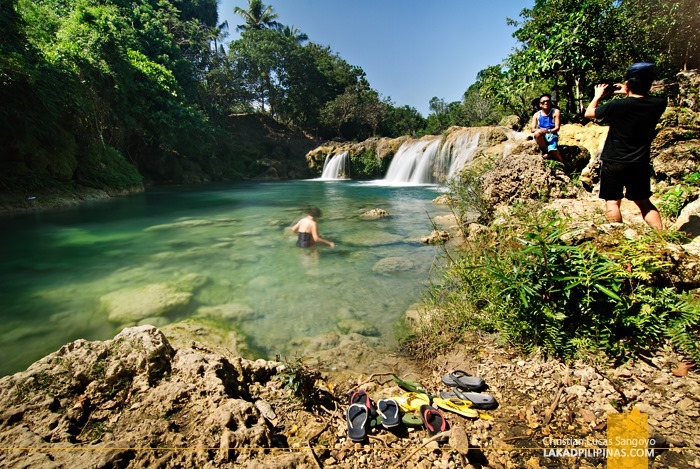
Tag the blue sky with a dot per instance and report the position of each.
(410, 50)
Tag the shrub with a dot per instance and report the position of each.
(467, 192)
(541, 292)
(367, 165)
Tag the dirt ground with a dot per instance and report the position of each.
(544, 408)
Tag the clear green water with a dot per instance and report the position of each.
(56, 266)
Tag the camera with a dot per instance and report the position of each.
(611, 87)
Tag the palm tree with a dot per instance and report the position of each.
(257, 16)
(219, 34)
(292, 33)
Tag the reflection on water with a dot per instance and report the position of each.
(223, 253)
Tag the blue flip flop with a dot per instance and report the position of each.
(463, 380)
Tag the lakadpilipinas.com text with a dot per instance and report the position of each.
(596, 448)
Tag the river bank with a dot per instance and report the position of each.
(138, 400)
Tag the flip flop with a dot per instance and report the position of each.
(411, 401)
(480, 400)
(458, 406)
(411, 420)
(357, 416)
(361, 397)
(389, 410)
(463, 380)
(433, 420)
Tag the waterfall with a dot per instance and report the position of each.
(413, 163)
(436, 159)
(335, 167)
(458, 151)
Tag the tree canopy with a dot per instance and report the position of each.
(567, 46)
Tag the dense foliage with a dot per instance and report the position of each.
(542, 286)
(567, 46)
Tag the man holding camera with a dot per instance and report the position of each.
(626, 154)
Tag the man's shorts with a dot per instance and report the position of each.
(552, 140)
(633, 177)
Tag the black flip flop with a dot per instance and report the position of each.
(389, 410)
(433, 420)
(357, 418)
(463, 380)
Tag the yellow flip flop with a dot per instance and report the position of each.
(458, 406)
(411, 401)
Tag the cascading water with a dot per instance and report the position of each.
(459, 151)
(413, 163)
(434, 160)
(335, 167)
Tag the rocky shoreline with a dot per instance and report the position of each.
(137, 401)
(181, 396)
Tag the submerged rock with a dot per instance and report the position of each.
(137, 303)
(357, 326)
(394, 264)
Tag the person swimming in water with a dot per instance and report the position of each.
(307, 228)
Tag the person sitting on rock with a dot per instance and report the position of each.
(307, 228)
(545, 125)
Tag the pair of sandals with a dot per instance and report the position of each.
(361, 411)
(465, 387)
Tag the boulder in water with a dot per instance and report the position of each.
(137, 303)
(436, 237)
(375, 213)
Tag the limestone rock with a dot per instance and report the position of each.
(678, 160)
(522, 176)
(132, 391)
(443, 199)
(436, 237)
(375, 213)
(133, 304)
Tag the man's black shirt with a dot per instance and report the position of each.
(632, 127)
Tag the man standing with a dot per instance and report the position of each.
(625, 158)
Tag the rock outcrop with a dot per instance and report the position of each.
(108, 399)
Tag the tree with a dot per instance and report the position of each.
(341, 110)
(565, 41)
(257, 16)
(478, 109)
(293, 34)
(403, 120)
(566, 46)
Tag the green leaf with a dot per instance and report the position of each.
(608, 292)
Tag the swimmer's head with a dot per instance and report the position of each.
(315, 212)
